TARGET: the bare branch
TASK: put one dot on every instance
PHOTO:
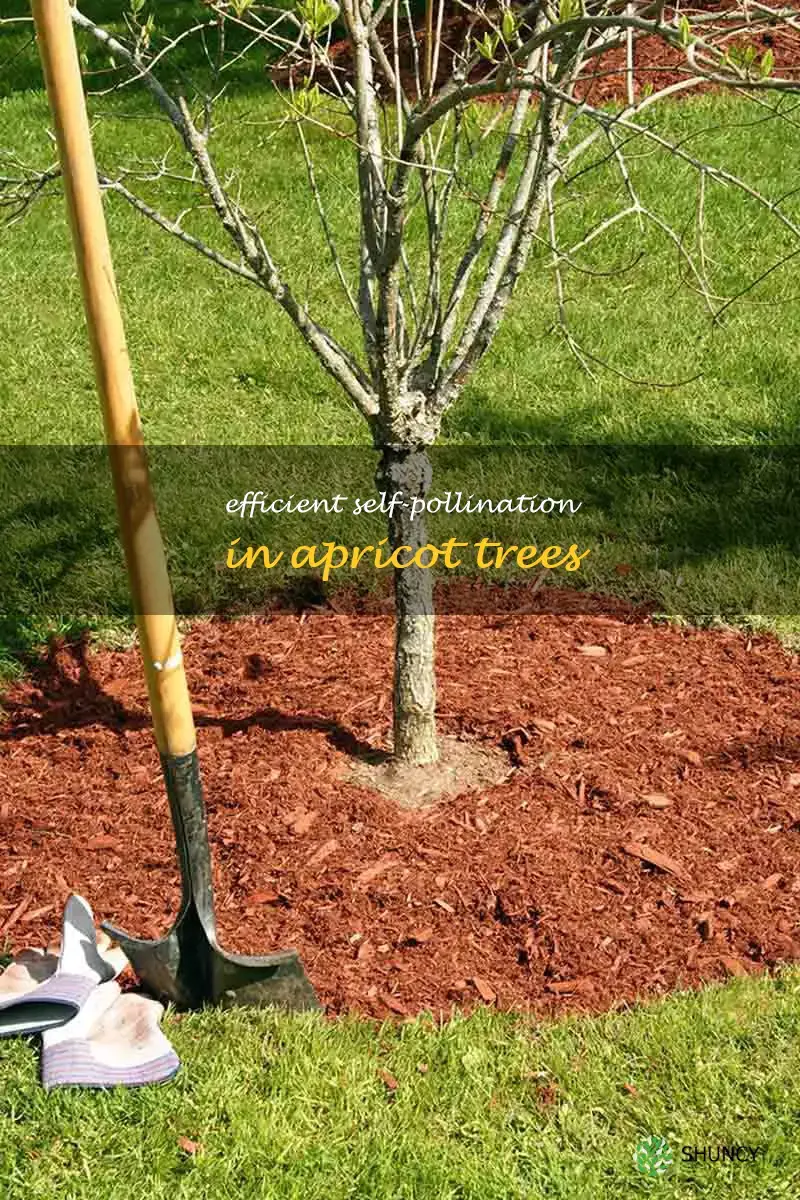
(175, 228)
(20, 190)
(244, 235)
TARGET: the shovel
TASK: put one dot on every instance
(187, 966)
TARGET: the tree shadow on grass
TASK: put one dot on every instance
(600, 420)
(726, 518)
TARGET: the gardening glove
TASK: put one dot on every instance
(40, 990)
(115, 1040)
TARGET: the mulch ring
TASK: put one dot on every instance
(647, 840)
(656, 64)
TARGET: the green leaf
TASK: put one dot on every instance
(568, 10)
(685, 31)
(766, 64)
(307, 99)
(240, 7)
(487, 47)
(508, 25)
(317, 15)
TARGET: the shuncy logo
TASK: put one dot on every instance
(652, 1157)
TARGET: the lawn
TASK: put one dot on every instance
(298, 1108)
(489, 1107)
(217, 365)
(215, 361)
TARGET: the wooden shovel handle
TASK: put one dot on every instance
(141, 537)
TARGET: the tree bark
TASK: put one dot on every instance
(408, 471)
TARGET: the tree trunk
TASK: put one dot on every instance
(408, 472)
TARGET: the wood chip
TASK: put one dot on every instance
(295, 815)
(387, 863)
(365, 951)
(388, 1080)
(392, 1003)
(105, 842)
(16, 914)
(419, 937)
(304, 822)
(613, 886)
(593, 651)
(635, 660)
(190, 1147)
(484, 990)
(546, 1094)
(789, 948)
(733, 966)
(691, 756)
(772, 881)
(562, 987)
(655, 858)
(268, 896)
(543, 725)
(37, 912)
(326, 849)
(657, 800)
(443, 904)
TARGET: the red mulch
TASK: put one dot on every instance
(657, 65)
(562, 888)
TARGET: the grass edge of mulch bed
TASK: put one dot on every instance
(486, 1107)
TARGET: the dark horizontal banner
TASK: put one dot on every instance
(681, 530)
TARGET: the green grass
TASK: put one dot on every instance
(696, 533)
(216, 362)
(296, 1108)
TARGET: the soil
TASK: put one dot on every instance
(646, 839)
(462, 767)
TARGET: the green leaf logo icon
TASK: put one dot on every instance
(652, 1157)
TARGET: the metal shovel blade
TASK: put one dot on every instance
(188, 967)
